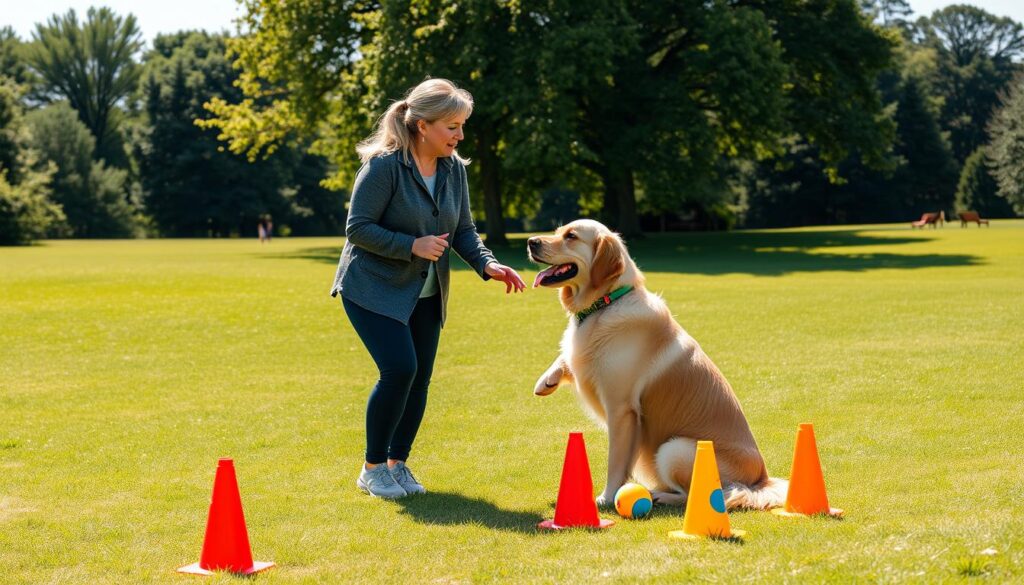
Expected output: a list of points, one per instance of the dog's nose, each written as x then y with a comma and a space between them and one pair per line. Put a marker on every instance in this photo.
534, 244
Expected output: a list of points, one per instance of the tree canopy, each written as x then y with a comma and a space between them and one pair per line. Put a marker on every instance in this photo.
676, 114
192, 185
91, 64
26, 210
646, 97
1006, 149
976, 56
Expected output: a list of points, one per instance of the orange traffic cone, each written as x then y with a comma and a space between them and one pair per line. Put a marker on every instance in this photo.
806, 493
575, 506
226, 546
705, 504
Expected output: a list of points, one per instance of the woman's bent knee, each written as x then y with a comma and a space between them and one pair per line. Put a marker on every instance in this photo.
399, 374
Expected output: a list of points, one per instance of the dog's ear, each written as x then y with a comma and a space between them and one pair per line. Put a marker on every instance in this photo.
608, 263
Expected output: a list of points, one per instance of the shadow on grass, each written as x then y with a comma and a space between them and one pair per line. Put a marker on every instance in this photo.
445, 508
716, 253
738, 540
664, 511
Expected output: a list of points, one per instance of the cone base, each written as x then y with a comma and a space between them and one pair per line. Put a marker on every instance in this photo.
682, 535
833, 512
550, 525
195, 569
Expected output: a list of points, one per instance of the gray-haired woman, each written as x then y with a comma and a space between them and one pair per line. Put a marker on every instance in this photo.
410, 203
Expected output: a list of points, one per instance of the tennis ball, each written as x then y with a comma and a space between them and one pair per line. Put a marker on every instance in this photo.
633, 501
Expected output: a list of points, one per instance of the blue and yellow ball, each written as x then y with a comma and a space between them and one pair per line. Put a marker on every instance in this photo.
633, 501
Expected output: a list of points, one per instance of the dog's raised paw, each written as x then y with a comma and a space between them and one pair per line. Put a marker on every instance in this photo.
547, 384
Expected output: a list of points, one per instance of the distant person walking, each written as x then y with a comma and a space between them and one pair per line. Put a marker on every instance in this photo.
410, 203
265, 228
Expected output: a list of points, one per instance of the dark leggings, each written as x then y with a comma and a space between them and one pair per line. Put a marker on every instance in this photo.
404, 354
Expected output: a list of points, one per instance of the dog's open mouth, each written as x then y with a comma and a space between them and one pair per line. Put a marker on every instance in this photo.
555, 274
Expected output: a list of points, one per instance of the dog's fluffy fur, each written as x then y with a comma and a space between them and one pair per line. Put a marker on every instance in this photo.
640, 375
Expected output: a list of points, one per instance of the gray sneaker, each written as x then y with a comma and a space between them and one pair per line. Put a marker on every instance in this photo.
379, 483
405, 479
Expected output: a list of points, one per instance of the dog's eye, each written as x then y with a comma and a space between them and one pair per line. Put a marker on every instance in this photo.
570, 236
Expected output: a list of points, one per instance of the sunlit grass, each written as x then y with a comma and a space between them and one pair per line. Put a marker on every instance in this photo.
127, 368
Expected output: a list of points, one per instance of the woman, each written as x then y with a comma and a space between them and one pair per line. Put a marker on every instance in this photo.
410, 203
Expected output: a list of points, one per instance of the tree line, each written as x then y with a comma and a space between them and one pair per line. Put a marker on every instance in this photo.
98, 139
655, 115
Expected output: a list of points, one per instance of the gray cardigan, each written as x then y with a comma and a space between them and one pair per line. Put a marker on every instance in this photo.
390, 208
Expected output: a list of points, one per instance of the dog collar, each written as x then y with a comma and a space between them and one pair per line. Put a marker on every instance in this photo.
602, 302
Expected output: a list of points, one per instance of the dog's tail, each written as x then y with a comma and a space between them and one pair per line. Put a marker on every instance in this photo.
770, 493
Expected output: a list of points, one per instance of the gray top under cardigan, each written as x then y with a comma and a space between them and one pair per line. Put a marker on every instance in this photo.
430, 286
389, 209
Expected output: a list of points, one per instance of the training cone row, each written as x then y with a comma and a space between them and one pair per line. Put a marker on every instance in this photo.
806, 495
575, 507
705, 504
226, 546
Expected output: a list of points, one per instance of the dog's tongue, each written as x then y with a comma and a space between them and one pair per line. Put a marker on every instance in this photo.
543, 274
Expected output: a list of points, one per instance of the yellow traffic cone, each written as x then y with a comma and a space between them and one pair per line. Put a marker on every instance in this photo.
705, 504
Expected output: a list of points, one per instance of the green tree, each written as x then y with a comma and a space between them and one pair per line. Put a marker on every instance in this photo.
518, 134
301, 76
557, 207
26, 211
1006, 149
192, 186
315, 209
647, 97
926, 176
90, 64
717, 81
976, 54
889, 13
699, 81
11, 137
836, 56
792, 189
978, 191
92, 194
12, 60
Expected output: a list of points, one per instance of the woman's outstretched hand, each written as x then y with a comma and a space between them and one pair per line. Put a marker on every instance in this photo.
503, 273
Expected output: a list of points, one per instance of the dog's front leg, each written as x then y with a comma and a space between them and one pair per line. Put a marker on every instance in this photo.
554, 377
623, 441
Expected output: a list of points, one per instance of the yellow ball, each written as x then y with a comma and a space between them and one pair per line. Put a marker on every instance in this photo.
633, 501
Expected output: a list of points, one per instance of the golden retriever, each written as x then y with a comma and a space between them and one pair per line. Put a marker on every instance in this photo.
640, 375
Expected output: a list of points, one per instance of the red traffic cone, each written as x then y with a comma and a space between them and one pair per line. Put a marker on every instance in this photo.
575, 506
226, 546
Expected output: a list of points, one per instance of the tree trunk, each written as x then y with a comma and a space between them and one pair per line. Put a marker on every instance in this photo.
620, 200
490, 179
610, 202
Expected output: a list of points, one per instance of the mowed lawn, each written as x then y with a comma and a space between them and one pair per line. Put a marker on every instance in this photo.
127, 368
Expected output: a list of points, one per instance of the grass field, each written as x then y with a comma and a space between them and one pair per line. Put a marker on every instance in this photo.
127, 368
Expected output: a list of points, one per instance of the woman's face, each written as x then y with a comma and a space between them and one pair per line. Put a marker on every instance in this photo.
440, 137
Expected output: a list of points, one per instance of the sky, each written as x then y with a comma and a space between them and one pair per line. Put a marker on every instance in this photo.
153, 16
1012, 8
164, 16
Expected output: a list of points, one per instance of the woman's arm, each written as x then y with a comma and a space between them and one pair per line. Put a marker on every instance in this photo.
466, 241
371, 194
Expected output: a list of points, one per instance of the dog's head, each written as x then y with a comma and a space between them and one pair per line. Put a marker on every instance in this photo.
587, 260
